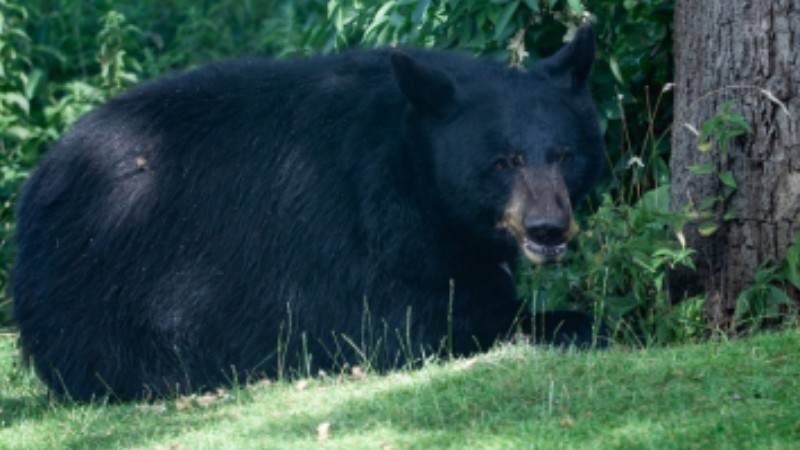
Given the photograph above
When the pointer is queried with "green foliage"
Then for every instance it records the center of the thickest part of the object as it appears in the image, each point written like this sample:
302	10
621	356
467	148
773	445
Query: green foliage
21	128
724	126
117	69
767	299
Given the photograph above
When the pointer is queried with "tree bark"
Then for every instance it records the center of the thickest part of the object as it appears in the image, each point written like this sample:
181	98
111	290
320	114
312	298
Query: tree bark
747	50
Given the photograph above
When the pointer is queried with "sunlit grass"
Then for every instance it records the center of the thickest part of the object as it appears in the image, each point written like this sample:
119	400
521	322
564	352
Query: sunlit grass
740	394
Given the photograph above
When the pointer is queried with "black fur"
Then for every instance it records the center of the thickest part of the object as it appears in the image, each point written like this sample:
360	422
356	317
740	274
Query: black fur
228	221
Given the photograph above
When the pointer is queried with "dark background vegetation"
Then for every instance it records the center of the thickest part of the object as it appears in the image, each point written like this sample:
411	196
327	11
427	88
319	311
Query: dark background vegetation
59	58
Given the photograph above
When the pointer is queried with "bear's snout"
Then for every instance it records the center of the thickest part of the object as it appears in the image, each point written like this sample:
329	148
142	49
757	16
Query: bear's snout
549	231
539	215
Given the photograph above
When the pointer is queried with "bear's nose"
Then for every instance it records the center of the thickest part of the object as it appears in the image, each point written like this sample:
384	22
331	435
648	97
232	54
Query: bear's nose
547	230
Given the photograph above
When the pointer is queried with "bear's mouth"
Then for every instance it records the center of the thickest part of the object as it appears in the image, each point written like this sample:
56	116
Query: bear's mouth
538	253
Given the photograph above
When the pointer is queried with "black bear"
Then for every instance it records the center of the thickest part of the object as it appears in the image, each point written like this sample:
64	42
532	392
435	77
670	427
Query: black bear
255	217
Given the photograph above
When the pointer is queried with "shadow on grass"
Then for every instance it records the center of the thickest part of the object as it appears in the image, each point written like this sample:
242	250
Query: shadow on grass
12	410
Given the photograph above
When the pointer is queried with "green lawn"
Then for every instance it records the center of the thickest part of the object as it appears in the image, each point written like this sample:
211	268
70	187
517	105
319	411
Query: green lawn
740	394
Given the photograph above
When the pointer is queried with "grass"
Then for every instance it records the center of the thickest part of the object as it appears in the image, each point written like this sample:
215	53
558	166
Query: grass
737	394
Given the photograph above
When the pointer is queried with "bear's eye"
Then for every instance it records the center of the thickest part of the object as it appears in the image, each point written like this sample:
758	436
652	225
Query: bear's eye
501	164
518	160
560	155
565	155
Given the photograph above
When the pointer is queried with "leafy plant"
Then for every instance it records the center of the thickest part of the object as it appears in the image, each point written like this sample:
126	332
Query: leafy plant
719	129
117	69
767	299
20	133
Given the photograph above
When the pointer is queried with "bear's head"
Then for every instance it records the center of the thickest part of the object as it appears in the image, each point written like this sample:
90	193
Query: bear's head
506	153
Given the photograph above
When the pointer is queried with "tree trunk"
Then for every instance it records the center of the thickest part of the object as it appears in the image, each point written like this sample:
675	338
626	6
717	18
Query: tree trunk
749	51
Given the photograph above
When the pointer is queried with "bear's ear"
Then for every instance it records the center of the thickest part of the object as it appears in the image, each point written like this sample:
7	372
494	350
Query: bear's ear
427	89
571	65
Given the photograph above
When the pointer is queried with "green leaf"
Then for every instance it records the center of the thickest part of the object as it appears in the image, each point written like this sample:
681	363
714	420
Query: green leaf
730	215
420	11
656	199
533	5
504	19
735	119
17	99
18	133
708	202
381	16
778	296
708	127
792	263
612	62
703	169
705	147
728	180
708	228
742	304
575	5
619	305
